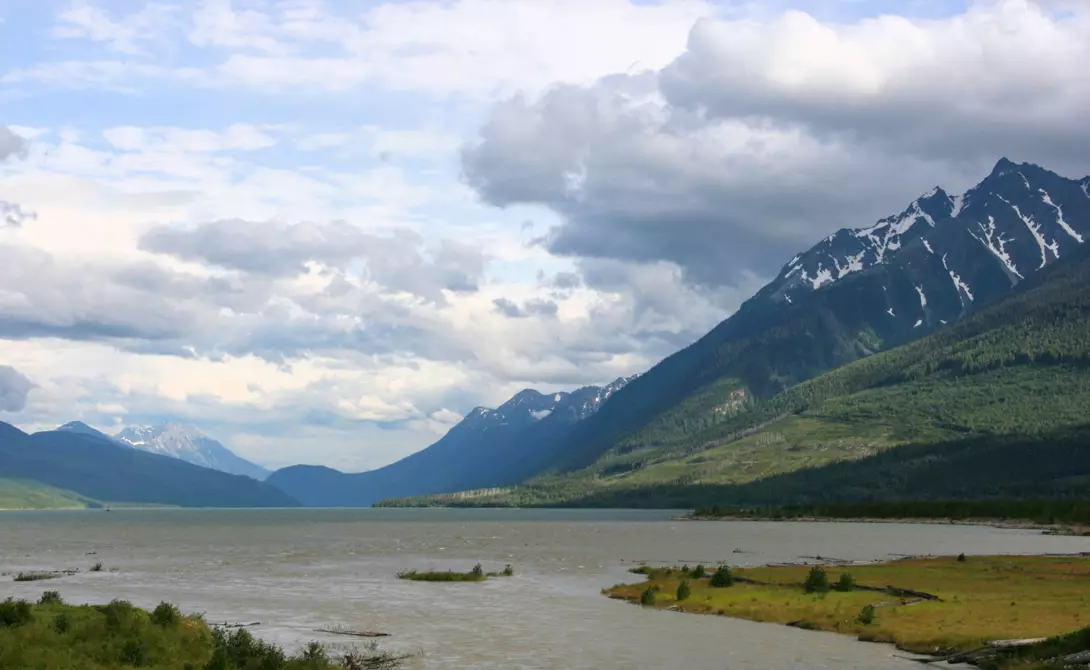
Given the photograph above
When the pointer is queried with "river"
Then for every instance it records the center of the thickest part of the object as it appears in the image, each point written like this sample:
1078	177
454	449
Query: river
297	570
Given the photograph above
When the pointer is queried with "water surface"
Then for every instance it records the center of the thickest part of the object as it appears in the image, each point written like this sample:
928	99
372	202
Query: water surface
298	570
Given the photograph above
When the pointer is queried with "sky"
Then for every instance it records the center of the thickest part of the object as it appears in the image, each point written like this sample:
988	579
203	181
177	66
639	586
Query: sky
322	232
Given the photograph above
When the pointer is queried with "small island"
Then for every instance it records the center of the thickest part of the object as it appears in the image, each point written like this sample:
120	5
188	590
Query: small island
477	574
995	611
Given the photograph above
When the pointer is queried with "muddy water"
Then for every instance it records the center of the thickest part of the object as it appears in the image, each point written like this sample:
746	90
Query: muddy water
297	570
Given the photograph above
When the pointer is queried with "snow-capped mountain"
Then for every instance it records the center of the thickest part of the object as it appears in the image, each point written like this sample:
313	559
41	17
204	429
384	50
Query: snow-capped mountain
945	253
188	444
529	406
489	447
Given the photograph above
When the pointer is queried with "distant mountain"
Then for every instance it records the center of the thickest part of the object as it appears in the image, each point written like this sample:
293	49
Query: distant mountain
80	428
490	447
188	444
86	464
855	293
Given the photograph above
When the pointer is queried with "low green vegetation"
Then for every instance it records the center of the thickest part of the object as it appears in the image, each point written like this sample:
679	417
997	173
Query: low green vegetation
926	605
54	636
19	494
477	574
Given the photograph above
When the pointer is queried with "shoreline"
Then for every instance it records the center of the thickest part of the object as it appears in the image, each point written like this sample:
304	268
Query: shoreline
941	608
1075	530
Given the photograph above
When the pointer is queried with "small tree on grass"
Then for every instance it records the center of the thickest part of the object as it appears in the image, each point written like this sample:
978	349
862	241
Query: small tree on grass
817	581
722	577
867	615
699	572
683	590
647	598
961	558
165	615
51	598
477	571
845	583
508	571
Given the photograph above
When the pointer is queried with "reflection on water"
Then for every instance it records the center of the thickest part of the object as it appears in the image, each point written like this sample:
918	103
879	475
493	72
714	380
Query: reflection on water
298	570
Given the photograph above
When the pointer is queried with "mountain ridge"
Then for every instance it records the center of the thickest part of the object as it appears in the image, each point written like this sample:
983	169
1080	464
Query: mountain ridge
489	447
189	444
102	470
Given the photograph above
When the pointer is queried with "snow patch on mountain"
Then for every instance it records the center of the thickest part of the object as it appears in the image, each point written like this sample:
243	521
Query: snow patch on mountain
1035	229
187	443
1060	215
997	244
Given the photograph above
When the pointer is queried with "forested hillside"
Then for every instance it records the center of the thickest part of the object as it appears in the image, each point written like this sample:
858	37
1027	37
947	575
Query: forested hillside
964	407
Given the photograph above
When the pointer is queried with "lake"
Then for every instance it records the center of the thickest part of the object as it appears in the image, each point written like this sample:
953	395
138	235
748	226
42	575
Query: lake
297	570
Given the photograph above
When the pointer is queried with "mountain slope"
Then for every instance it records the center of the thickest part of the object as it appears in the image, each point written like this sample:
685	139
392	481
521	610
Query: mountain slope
102	470
81	428
190	445
490	447
28	494
994	405
856	293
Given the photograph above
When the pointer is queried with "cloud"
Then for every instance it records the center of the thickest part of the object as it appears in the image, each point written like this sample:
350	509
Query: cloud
11	214
534	306
14	388
764	136
11	145
82	20
236	137
399	260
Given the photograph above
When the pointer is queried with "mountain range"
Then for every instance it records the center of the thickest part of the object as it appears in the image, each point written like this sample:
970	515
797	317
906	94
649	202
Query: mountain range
94	467
856	293
489	448
952	327
179	441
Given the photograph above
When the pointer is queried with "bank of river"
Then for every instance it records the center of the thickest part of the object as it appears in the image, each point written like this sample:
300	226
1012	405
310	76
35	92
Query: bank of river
296	571
941	606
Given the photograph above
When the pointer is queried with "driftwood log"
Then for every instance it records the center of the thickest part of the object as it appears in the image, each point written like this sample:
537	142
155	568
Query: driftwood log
353	633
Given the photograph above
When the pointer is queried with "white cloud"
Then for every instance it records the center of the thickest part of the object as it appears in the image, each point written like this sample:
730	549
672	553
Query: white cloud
82	20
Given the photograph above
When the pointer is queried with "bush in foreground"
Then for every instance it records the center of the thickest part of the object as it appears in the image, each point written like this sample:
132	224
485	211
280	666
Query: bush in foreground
684	590
723	577
846	583
817	581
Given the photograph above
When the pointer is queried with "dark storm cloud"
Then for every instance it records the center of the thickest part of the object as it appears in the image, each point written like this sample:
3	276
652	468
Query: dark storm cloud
751	147
14	388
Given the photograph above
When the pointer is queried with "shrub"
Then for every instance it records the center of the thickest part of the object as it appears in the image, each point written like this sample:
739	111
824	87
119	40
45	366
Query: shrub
683	590
51	598
165	615
133	653
60	624
867	615
315	653
723	577
685	568
14	613
647	598
508	571
699	572
961	558
477	572
817	581
97	567
117	613
845	583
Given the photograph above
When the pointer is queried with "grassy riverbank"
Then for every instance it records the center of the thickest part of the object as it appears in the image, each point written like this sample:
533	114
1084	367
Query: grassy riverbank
978	599
51	635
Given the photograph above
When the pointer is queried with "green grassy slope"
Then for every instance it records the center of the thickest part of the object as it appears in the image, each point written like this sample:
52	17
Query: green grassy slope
28	494
1018	369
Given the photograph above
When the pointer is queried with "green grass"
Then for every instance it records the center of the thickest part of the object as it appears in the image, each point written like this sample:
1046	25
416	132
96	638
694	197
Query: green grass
56	636
980	599
16	494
